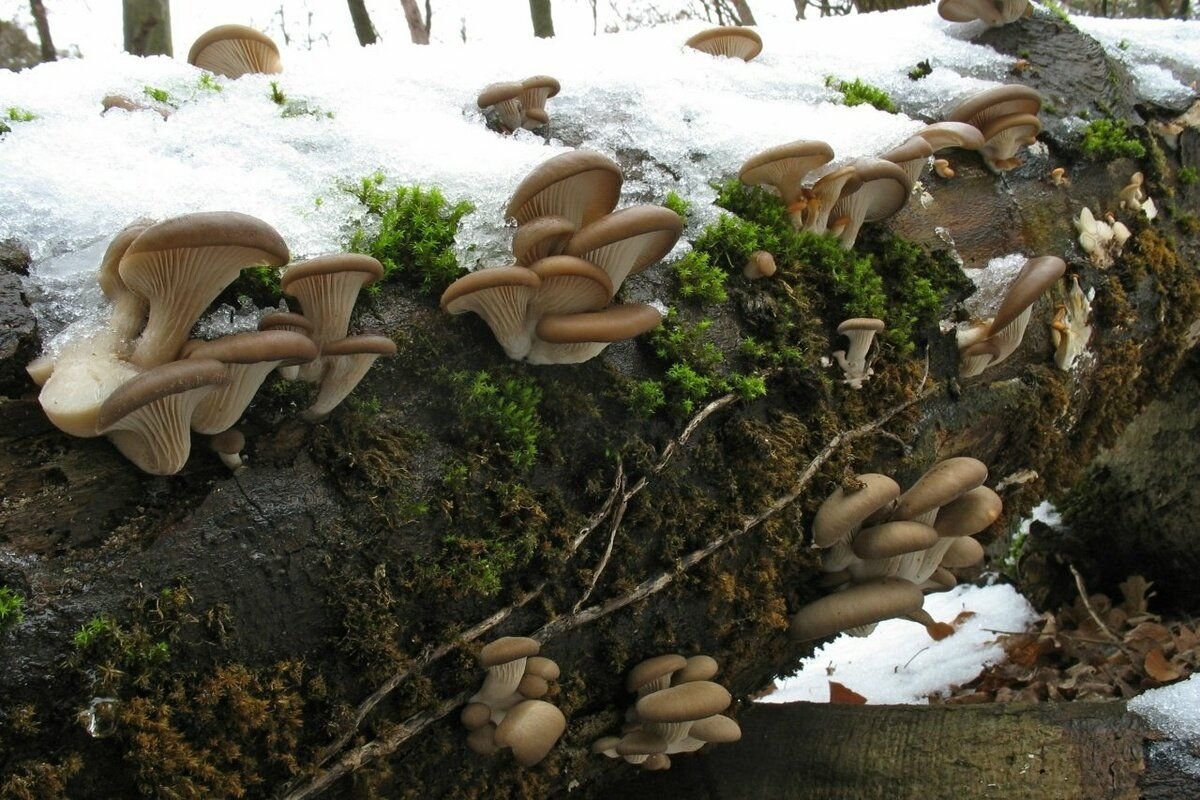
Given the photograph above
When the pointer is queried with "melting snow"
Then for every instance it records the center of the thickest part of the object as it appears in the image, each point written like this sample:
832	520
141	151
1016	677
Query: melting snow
899	663
1174	710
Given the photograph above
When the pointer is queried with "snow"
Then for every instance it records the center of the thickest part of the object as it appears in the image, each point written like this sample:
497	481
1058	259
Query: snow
1160	54
899	663
1175	711
992	283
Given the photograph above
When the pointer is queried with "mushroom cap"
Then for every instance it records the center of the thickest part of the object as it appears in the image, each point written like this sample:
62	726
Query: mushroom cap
533	686
940	580
1006	123
254	347
627	241
911	156
209	229
761	264
507	648
698	668
962	552
542	667
999	101
109	278
684	703
825	192
498	92
842	512
613	324
537	116
500	295
940	484
541	237
893	539
605	743
941	135
228	442
785	166
731	40
887	187
718	729
580	185
652	669
344	363
569	285
969	513
861	324
656	762
641	743
1036	276
362	344
551	85
531	728
285	320
234	50
475	715
969	11
157	383
860	604
334	263
482	740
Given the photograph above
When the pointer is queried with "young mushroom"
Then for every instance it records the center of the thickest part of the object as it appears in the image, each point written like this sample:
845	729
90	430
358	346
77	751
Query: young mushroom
784	167
880	190
627	241
1070	331
503	100
861	332
535	91
761	264
235	50
228	445
729	41
345	363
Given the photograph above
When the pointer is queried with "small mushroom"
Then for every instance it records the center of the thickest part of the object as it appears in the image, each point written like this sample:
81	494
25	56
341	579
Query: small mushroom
761	264
857	605
504	99
504	659
942	167
824	194
531	728
235	50
1007	117
580	186
346	361
784	167
943	135
670	712
881	189
697	668
327	288
730	41
535	91
654	673
843	513
501	296
1070	331
575	338
627	241
911	156
861	332
228	445
540	238
992	12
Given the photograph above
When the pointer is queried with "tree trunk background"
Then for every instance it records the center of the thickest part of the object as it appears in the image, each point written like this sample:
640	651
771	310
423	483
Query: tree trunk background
147	27
363	28
745	15
543	22
805	751
38	9
418	29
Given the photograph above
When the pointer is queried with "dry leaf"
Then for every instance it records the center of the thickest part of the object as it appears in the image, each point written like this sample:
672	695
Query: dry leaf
1158	667
962	617
845	696
1136	593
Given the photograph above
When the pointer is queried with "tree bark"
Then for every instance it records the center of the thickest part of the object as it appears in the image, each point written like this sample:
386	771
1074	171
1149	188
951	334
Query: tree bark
147	27
745	15
363	28
866	6
43	28
543	23
1046	751
418	30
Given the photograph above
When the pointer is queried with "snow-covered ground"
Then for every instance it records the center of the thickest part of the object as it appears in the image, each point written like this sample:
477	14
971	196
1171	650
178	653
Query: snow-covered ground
1175	711
900	663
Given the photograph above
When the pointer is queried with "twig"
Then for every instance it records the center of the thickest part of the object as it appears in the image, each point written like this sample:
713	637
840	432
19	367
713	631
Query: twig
1083	595
612	537
389	742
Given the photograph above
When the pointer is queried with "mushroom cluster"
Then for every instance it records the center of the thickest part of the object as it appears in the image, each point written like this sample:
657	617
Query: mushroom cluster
1070	330
235	50
884	548
572	253
1101	239
142	383
1133	197
508	710
983	344
994	12
861	332
678	710
1007	118
732	41
519	104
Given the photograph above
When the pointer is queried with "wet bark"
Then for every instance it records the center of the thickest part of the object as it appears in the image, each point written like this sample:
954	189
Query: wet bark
147	27
418	29
543	22
38	9
363	29
1076	751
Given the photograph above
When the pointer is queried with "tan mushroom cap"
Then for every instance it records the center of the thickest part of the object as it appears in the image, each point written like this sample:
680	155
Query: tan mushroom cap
860	604
861	324
500	295
1036	276
327	288
505	98
962	552
574	338
627	241
606	745
942	135
686	702
1000	101
761	264
482	740
911	156
732	41
507	648
580	186
825	194
475	715
843	512
940	580
234	50
540	238
228	445
531	728
969	513
542	667
251	357
893	539
149	417
533	686
717	729
785	166
569	285
180	265
641	743
969	11
940	484
698	668
656	762
882	189
345	363
285	321
534	93
535	117
654	671
129	308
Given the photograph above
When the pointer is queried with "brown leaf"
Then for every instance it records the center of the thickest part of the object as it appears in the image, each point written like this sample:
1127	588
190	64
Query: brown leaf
1025	650
1136	593
1158	667
962	617
845	696
939	630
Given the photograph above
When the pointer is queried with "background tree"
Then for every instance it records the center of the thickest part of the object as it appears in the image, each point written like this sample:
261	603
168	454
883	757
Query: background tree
43	28
147	27
418	28
864	6
363	28
543	24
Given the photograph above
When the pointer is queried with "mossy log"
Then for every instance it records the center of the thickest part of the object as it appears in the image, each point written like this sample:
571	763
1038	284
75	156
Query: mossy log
803	751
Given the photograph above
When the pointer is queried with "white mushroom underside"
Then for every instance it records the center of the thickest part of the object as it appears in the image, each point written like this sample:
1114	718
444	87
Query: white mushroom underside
328	300
617	258
157	437
1007	143
565	198
504	309
220	410
236	57
342	374
500	683
547	353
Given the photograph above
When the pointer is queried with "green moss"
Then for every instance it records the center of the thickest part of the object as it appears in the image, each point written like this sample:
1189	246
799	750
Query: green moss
921	70
857	92
1058	11
260	284
677	204
208	83
1188	176
411	231
500	416
12	605
699	280
1106	139
157	95
645	397
277	95
15	114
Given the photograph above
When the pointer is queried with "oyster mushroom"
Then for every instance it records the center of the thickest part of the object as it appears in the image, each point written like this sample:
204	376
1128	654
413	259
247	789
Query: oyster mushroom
861	332
504	99
580	186
731	41
235	50
345	363
784	167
